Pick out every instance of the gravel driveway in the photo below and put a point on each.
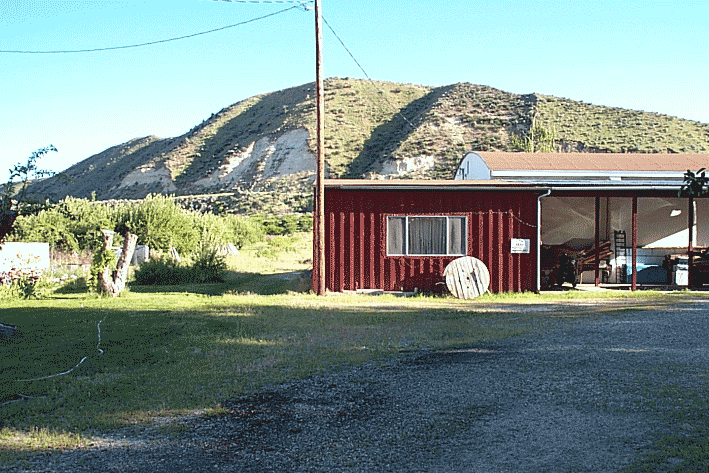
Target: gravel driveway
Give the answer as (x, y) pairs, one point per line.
(586, 395)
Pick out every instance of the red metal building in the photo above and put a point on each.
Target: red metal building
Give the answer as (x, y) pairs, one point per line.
(395, 235)
(401, 234)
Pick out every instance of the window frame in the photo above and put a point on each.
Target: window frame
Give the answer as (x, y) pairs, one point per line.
(447, 236)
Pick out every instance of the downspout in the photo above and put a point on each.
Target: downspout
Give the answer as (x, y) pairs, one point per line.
(539, 240)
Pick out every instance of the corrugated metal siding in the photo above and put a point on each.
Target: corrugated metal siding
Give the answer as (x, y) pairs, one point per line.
(355, 251)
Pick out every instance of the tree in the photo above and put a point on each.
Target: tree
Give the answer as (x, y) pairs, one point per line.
(114, 282)
(694, 184)
(160, 223)
(13, 198)
(13, 202)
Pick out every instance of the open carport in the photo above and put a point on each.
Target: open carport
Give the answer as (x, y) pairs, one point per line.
(618, 215)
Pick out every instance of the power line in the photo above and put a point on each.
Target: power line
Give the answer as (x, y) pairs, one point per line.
(267, 1)
(393, 107)
(150, 43)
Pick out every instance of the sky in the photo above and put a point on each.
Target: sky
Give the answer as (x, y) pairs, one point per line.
(650, 55)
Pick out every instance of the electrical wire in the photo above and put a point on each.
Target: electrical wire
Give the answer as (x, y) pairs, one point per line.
(151, 43)
(381, 92)
(297, 5)
(267, 1)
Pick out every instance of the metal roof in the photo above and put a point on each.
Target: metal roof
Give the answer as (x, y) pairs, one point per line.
(652, 162)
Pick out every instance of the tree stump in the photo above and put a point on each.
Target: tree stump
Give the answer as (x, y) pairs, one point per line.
(114, 283)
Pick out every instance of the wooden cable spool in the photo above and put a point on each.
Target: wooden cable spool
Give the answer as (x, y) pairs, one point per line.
(467, 277)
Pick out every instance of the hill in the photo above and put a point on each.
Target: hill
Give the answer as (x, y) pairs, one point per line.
(263, 147)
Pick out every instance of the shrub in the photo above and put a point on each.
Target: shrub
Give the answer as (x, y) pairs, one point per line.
(245, 231)
(160, 223)
(163, 271)
(26, 286)
(286, 224)
(209, 265)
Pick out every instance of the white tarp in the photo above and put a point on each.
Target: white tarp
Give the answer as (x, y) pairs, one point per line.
(662, 223)
(24, 255)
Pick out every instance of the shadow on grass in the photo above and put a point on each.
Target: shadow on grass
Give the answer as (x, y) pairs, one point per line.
(162, 354)
(239, 283)
(181, 352)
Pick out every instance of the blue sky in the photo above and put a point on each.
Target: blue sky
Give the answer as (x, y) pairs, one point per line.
(648, 55)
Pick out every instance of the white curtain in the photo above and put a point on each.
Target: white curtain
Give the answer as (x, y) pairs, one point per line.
(396, 228)
(456, 236)
(427, 235)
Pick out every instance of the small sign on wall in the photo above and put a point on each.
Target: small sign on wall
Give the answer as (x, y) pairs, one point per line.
(519, 245)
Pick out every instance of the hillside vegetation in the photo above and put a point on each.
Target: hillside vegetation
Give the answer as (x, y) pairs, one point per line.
(265, 145)
(593, 128)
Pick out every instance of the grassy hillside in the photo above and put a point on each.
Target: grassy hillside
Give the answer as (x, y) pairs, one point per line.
(465, 117)
(585, 127)
(368, 125)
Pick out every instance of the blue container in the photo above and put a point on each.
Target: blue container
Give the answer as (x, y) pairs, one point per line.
(647, 274)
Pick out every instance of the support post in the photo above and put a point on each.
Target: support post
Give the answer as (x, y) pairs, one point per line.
(634, 244)
(539, 239)
(597, 258)
(690, 243)
(319, 204)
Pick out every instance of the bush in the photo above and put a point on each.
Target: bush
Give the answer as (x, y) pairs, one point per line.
(26, 287)
(209, 265)
(286, 224)
(163, 271)
(160, 224)
(245, 231)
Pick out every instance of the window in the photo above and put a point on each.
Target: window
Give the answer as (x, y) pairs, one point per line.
(426, 235)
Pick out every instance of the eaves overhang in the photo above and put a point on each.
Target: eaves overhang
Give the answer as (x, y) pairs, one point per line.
(412, 184)
(541, 186)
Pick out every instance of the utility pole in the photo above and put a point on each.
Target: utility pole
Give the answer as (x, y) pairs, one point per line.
(319, 204)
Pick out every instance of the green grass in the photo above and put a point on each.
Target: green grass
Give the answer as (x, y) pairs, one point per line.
(686, 446)
(177, 352)
(183, 350)
(172, 353)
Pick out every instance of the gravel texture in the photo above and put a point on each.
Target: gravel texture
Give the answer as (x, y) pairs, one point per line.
(583, 396)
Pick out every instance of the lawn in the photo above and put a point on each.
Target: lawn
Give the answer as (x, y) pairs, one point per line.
(158, 352)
